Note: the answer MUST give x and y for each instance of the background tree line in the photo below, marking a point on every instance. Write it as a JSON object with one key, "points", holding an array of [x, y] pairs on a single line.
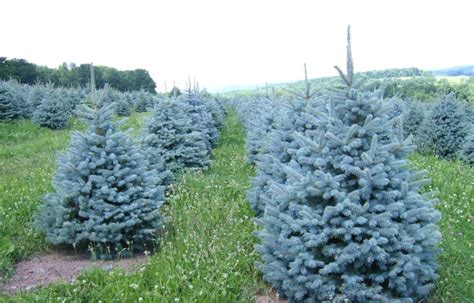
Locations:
{"points": [[72, 75]]}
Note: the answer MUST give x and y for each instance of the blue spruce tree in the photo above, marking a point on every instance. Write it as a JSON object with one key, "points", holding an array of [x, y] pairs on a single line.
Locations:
{"points": [[200, 115], [21, 92], [257, 123], [169, 135], [9, 102], [467, 151], [353, 227], [74, 97], [107, 197], [412, 120], [398, 107], [37, 94], [175, 92], [142, 102], [445, 128], [278, 146], [217, 112], [61, 96], [123, 107], [273, 152], [51, 114], [129, 97]]}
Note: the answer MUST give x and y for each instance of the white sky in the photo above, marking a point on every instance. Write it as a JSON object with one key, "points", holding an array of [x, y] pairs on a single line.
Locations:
{"points": [[231, 43]]}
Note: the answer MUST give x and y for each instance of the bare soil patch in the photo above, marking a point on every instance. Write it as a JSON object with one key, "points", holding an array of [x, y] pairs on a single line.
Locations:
{"points": [[60, 266], [270, 297]]}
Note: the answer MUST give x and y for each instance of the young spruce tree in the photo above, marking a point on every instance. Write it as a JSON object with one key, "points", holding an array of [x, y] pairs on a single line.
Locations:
{"points": [[257, 116], [467, 151], [123, 107], [9, 102], [412, 120], [217, 112], [169, 135], [142, 102], [37, 94], [200, 114], [107, 196], [445, 128], [353, 227], [51, 113], [278, 146]]}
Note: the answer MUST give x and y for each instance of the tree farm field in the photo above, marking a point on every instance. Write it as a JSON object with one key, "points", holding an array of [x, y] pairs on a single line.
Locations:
{"points": [[237, 152], [207, 254]]}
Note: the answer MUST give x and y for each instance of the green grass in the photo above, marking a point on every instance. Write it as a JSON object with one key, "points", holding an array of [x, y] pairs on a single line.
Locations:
{"points": [[454, 79], [453, 184], [27, 163], [134, 122]]}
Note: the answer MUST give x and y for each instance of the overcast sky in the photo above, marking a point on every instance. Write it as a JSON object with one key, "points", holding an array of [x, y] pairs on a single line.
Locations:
{"points": [[231, 43]]}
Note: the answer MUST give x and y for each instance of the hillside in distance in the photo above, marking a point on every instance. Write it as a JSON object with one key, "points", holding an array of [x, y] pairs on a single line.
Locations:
{"points": [[409, 83], [331, 80], [464, 70]]}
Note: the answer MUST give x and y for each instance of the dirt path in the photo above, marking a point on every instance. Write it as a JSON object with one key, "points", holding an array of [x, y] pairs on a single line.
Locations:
{"points": [[58, 266]]}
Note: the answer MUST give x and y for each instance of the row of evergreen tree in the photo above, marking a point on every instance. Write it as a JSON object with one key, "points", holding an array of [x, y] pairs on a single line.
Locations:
{"points": [[51, 107], [109, 187], [443, 128], [339, 211]]}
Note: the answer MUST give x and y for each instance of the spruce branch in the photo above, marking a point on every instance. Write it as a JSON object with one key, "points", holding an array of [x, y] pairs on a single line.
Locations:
{"points": [[349, 76], [93, 91], [307, 93]]}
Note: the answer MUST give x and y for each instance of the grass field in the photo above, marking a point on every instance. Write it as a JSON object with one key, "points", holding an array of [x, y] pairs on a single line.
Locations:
{"points": [[207, 252], [453, 185], [454, 79]]}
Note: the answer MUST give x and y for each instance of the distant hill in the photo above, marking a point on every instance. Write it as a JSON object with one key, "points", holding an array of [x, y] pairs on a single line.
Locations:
{"points": [[408, 83], [465, 70], [322, 82], [235, 88]]}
